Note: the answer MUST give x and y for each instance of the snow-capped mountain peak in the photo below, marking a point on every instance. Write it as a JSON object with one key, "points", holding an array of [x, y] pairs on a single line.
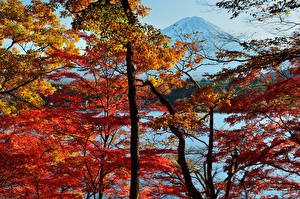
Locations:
{"points": [[211, 37], [190, 24], [205, 29]]}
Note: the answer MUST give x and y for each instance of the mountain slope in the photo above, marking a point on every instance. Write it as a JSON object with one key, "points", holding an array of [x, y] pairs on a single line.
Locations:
{"points": [[193, 24], [212, 38]]}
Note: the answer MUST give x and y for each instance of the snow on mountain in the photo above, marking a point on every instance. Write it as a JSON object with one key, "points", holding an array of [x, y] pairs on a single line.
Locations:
{"points": [[192, 24], [210, 33], [213, 38]]}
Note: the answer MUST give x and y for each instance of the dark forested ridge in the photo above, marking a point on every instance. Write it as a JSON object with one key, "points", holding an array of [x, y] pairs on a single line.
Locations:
{"points": [[185, 92]]}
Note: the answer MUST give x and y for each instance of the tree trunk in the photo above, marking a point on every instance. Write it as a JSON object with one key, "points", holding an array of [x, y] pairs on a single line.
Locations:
{"points": [[134, 118], [209, 159], [191, 189]]}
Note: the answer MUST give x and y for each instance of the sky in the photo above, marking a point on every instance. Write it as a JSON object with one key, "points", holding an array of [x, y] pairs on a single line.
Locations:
{"points": [[167, 12]]}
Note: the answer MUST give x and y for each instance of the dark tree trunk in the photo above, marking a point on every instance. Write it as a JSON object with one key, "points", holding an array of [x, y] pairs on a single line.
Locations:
{"points": [[134, 118], [192, 191], [209, 159]]}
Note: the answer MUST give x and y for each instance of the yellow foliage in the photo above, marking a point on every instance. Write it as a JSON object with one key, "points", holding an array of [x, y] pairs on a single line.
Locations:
{"points": [[58, 156], [30, 32]]}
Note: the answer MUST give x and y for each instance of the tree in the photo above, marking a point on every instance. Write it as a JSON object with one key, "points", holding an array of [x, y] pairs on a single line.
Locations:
{"points": [[260, 101], [28, 33], [264, 149], [184, 121], [117, 21], [76, 145], [258, 8], [85, 128]]}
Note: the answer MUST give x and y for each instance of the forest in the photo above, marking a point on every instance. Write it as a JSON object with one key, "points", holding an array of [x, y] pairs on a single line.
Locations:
{"points": [[86, 112]]}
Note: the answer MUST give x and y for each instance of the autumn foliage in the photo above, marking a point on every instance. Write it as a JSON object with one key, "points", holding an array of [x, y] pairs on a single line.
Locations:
{"points": [[66, 116]]}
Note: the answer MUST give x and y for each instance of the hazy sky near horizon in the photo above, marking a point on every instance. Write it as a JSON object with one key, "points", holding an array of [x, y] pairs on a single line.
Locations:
{"points": [[167, 12]]}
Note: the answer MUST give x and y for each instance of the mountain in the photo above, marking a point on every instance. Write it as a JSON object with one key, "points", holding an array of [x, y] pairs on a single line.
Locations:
{"points": [[195, 24], [213, 38], [204, 29]]}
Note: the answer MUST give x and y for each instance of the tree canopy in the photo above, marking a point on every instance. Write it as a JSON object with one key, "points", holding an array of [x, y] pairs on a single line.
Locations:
{"points": [[85, 113]]}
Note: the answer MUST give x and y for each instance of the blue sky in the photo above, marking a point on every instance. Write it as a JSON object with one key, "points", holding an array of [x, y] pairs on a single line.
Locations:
{"points": [[167, 12]]}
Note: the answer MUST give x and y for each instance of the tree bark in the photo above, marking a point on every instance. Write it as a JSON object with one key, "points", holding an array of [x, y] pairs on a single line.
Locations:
{"points": [[231, 170], [134, 118], [191, 189], [209, 159]]}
